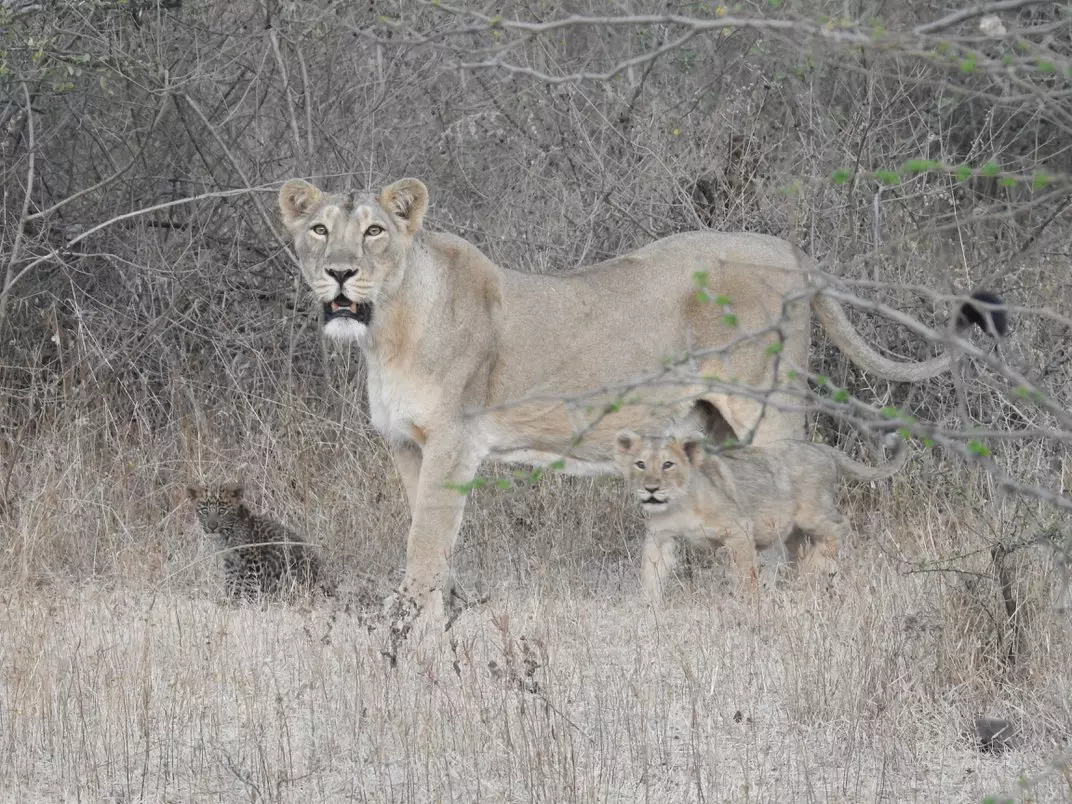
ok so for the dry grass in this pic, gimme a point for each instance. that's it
(120, 696)
(124, 680)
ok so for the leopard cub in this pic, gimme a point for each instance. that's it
(263, 557)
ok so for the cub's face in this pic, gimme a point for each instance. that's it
(352, 249)
(656, 469)
(217, 507)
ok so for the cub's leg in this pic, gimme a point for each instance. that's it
(739, 538)
(827, 527)
(658, 560)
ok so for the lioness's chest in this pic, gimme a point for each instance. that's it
(401, 408)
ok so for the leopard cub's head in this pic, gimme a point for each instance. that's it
(656, 468)
(218, 507)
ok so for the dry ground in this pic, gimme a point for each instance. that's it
(565, 690)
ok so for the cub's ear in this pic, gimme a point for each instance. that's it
(195, 492)
(232, 491)
(407, 200)
(297, 199)
(626, 441)
(694, 450)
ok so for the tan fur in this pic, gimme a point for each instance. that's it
(745, 498)
(492, 364)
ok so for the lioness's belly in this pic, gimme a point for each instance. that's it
(571, 466)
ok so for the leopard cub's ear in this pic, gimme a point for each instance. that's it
(195, 492)
(232, 491)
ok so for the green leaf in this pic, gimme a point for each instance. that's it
(841, 175)
(699, 279)
(891, 412)
(1040, 180)
(503, 484)
(820, 380)
(913, 166)
(887, 176)
(558, 465)
(977, 447)
(1046, 67)
(967, 64)
(730, 320)
(904, 433)
(840, 395)
(991, 168)
(963, 172)
(774, 348)
(1007, 181)
(722, 301)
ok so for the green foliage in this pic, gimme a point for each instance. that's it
(841, 175)
(978, 448)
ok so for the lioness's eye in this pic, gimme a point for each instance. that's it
(373, 230)
(668, 465)
(639, 464)
(320, 229)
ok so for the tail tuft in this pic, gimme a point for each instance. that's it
(992, 317)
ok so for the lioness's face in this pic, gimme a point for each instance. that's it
(656, 469)
(352, 249)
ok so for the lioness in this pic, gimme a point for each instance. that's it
(468, 361)
(743, 497)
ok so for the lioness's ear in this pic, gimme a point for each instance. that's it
(296, 199)
(407, 200)
(625, 440)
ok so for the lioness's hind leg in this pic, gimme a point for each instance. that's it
(658, 560)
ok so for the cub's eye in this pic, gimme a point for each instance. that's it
(667, 465)
(640, 465)
(319, 229)
(373, 230)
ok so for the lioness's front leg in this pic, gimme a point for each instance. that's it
(407, 460)
(446, 464)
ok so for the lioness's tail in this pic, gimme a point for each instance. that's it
(861, 471)
(983, 309)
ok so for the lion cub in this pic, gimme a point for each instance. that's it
(744, 498)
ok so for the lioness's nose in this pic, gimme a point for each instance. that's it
(341, 276)
(651, 489)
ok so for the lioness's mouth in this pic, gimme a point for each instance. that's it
(652, 502)
(342, 307)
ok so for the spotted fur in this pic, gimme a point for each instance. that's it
(263, 557)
